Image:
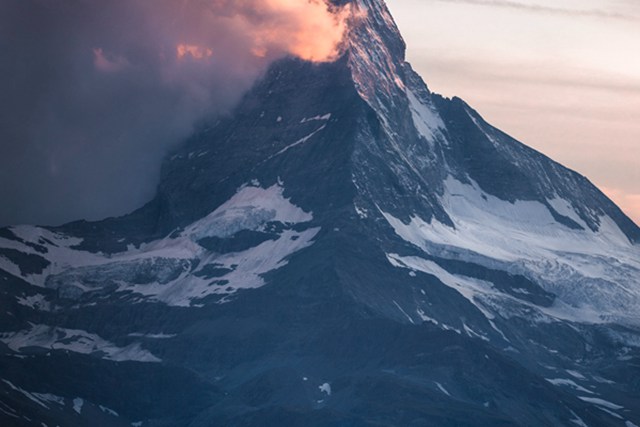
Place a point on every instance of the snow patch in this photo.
(426, 318)
(248, 209)
(442, 389)
(36, 302)
(467, 287)
(601, 402)
(603, 380)
(28, 395)
(565, 208)
(174, 267)
(426, 120)
(298, 142)
(153, 336)
(245, 271)
(78, 404)
(324, 117)
(569, 383)
(575, 374)
(51, 398)
(108, 411)
(76, 341)
(325, 388)
(58, 251)
(523, 238)
(404, 312)
(12, 415)
(362, 213)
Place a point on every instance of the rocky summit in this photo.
(346, 248)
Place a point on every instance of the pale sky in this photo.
(561, 76)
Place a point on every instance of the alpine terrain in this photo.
(346, 248)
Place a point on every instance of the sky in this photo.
(82, 80)
(95, 92)
(562, 76)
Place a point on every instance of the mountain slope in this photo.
(346, 248)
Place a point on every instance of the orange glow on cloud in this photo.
(260, 52)
(250, 33)
(194, 51)
(308, 29)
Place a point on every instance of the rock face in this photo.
(345, 249)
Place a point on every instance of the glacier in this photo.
(345, 247)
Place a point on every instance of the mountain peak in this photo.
(344, 248)
(376, 17)
(376, 48)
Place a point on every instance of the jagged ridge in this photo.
(346, 248)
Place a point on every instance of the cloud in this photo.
(537, 8)
(108, 63)
(508, 71)
(94, 92)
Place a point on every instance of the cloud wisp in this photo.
(538, 8)
(95, 92)
(501, 70)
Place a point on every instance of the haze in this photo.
(94, 92)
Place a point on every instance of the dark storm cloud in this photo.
(94, 92)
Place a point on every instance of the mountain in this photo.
(346, 248)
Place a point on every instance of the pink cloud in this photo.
(309, 29)
(126, 80)
(193, 51)
(108, 63)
